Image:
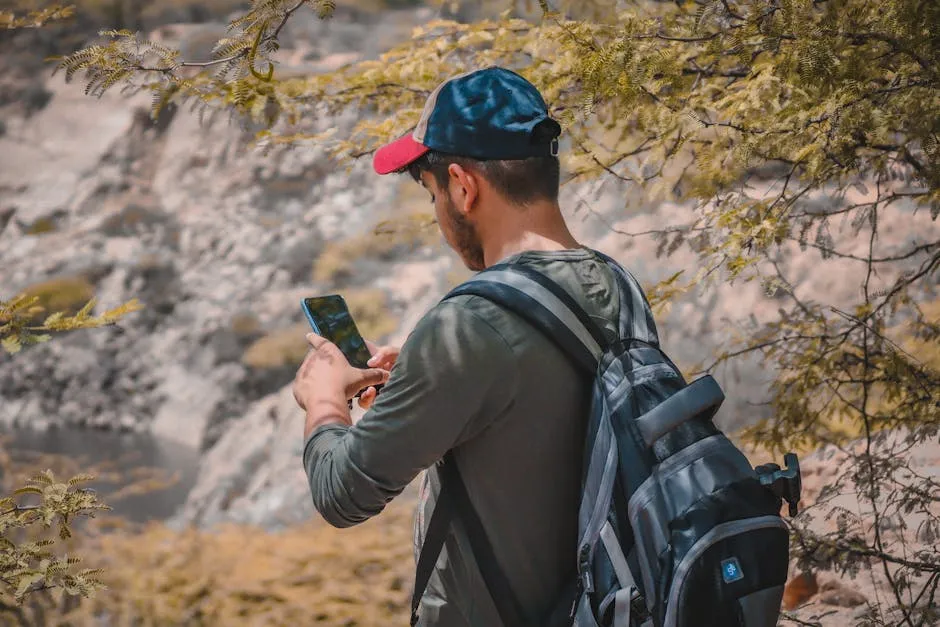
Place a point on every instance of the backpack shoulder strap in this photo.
(636, 315)
(453, 501)
(545, 305)
(550, 309)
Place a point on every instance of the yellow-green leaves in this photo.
(41, 504)
(19, 325)
(34, 18)
(325, 8)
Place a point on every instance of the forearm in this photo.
(326, 408)
(445, 390)
(342, 493)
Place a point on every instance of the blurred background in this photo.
(183, 409)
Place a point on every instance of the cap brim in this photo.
(397, 155)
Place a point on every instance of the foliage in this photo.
(29, 566)
(31, 546)
(114, 13)
(369, 309)
(34, 18)
(387, 241)
(776, 120)
(61, 302)
(41, 226)
(279, 348)
(65, 293)
(287, 346)
(238, 574)
(244, 324)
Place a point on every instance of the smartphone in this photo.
(330, 318)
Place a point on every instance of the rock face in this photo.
(168, 219)
(254, 473)
(188, 218)
(218, 242)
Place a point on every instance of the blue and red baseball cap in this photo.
(492, 113)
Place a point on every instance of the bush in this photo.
(245, 324)
(66, 294)
(388, 241)
(42, 225)
(287, 347)
(369, 308)
(27, 564)
(240, 575)
(278, 349)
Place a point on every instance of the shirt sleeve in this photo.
(455, 376)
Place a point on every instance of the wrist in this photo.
(326, 409)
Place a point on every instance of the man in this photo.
(472, 377)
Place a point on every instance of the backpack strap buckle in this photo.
(584, 569)
(786, 484)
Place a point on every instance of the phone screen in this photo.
(329, 317)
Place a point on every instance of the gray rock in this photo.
(67, 137)
(254, 474)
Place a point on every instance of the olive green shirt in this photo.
(477, 379)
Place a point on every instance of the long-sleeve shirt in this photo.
(477, 379)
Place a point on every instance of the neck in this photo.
(539, 227)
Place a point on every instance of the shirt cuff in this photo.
(318, 432)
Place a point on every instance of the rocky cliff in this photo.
(220, 243)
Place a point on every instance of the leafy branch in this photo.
(35, 18)
(17, 316)
(27, 567)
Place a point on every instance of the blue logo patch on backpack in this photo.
(731, 570)
(676, 528)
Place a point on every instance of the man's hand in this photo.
(382, 357)
(325, 381)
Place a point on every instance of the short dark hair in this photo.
(520, 180)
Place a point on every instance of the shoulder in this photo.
(457, 346)
(464, 315)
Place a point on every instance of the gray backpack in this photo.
(676, 528)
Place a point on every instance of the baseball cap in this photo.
(492, 113)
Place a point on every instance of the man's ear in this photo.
(464, 188)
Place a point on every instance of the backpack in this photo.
(676, 528)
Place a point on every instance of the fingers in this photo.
(378, 353)
(384, 357)
(373, 376)
(378, 359)
(364, 378)
(367, 397)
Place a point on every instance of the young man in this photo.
(472, 378)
